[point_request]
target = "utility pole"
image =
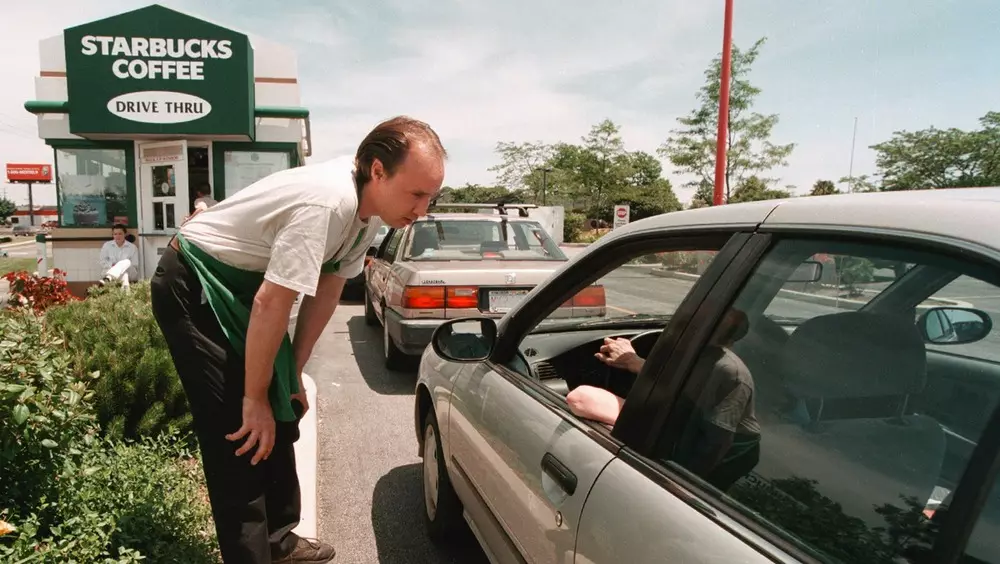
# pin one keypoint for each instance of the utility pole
(720, 143)
(850, 170)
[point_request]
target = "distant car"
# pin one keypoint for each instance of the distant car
(814, 379)
(24, 230)
(354, 287)
(449, 265)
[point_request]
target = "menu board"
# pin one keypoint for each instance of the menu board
(243, 168)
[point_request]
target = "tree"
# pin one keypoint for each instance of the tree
(754, 189)
(474, 194)
(824, 188)
(941, 158)
(7, 209)
(858, 183)
(519, 163)
(750, 152)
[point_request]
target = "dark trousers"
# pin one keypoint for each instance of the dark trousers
(255, 507)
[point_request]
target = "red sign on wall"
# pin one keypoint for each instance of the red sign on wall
(29, 173)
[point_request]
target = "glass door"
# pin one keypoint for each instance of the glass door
(163, 190)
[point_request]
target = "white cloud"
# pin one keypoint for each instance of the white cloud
(482, 72)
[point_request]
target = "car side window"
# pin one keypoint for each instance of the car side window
(638, 297)
(392, 246)
(823, 420)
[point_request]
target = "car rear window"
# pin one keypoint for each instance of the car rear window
(442, 239)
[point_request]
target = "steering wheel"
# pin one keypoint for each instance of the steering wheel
(609, 369)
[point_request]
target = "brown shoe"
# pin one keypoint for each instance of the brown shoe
(308, 551)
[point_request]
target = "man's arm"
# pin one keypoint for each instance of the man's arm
(272, 307)
(314, 315)
(596, 404)
(105, 259)
(268, 325)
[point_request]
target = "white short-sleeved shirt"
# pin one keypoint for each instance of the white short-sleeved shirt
(289, 225)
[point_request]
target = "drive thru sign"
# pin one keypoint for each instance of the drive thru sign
(621, 215)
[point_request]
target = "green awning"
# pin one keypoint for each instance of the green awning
(46, 107)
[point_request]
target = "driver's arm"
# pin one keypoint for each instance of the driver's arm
(596, 404)
(618, 353)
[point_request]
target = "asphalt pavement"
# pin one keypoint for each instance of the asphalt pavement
(370, 502)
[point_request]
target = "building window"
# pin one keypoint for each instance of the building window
(243, 168)
(92, 187)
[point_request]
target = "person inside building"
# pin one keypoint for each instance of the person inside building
(118, 249)
(203, 197)
(222, 295)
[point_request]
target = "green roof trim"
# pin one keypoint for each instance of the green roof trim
(287, 112)
(46, 107)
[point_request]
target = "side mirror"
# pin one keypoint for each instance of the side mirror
(808, 271)
(469, 339)
(954, 325)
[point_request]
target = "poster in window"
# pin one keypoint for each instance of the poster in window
(81, 210)
(164, 181)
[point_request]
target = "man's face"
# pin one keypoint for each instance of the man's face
(119, 236)
(403, 197)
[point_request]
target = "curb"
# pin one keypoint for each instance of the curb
(810, 298)
(306, 463)
(5, 246)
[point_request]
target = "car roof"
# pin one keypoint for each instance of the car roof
(969, 214)
(471, 216)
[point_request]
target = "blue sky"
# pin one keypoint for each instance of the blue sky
(516, 70)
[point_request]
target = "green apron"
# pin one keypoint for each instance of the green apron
(230, 291)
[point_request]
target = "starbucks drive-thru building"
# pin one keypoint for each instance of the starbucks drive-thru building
(144, 108)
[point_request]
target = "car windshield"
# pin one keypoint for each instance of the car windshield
(471, 239)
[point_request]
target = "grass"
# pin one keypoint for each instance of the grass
(16, 264)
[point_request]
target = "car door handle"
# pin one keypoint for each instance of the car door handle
(559, 472)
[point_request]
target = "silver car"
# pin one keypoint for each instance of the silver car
(450, 265)
(807, 380)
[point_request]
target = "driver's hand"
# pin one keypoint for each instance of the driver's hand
(618, 353)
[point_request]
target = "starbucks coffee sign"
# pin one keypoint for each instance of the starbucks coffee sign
(157, 71)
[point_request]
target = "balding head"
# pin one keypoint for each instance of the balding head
(399, 168)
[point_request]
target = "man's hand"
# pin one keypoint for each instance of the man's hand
(301, 396)
(258, 428)
(618, 353)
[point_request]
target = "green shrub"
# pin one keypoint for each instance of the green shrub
(71, 496)
(44, 411)
(114, 332)
(118, 503)
(572, 226)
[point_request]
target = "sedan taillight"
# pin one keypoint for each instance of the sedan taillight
(591, 296)
(441, 297)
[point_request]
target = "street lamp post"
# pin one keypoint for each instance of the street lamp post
(545, 173)
(720, 144)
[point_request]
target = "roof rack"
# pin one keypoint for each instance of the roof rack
(522, 209)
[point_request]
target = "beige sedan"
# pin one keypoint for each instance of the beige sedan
(450, 265)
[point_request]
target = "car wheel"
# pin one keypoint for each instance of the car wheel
(370, 318)
(394, 358)
(442, 508)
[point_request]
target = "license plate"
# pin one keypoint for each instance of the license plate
(502, 301)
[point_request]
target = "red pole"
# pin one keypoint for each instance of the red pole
(720, 143)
